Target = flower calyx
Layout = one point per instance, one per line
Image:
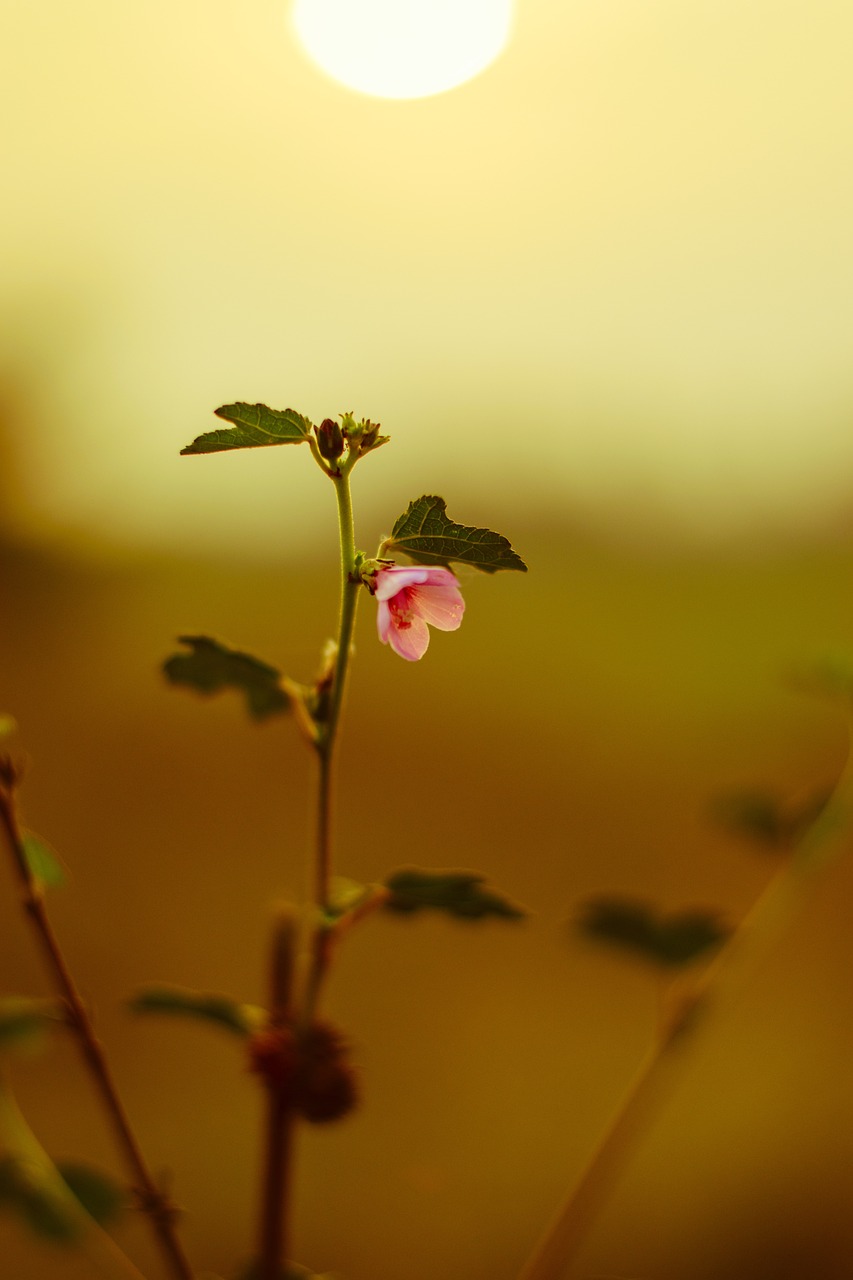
(361, 437)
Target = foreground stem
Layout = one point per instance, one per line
(557, 1251)
(151, 1199)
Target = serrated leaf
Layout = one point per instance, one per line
(255, 425)
(240, 1019)
(456, 893)
(101, 1195)
(210, 667)
(24, 1021)
(667, 940)
(43, 862)
(426, 535)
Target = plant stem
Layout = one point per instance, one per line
(327, 738)
(822, 844)
(280, 1117)
(274, 1238)
(152, 1200)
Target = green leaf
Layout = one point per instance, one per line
(211, 666)
(23, 1022)
(241, 1019)
(255, 425)
(667, 940)
(457, 893)
(103, 1198)
(30, 1193)
(426, 535)
(43, 862)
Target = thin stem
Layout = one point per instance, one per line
(736, 962)
(274, 1234)
(274, 1242)
(327, 738)
(152, 1200)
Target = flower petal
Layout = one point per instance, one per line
(410, 641)
(395, 579)
(383, 620)
(441, 607)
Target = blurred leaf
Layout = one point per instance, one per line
(764, 819)
(8, 726)
(426, 535)
(211, 666)
(103, 1198)
(23, 1022)
(29, 1192)
(255, 425)
(241, 1019)
(43, 862)
(344, 894)
(457, 893)
(670, 940)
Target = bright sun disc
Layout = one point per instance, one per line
(403, 48)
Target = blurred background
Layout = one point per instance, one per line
(600, 298)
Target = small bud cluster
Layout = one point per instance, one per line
(310, 1069)
(351, 438)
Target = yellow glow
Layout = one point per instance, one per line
(403, 48)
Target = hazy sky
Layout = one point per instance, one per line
(613, 272)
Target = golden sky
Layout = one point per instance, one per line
(613, 271)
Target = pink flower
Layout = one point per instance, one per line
(409, 598)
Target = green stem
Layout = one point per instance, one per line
(281, 1119)
(328, 735)
(556, 1254)
(152, 1201)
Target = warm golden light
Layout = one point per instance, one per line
(403, 48)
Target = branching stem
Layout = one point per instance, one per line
(152, 1200)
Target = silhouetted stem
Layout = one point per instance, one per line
(152, 1201)
(274, 1241)
(734, 965)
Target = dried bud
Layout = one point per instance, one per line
(330, 439)
(310, 1070)
(326, 1088)
(273, 1056)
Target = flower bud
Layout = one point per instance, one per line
(330, 439)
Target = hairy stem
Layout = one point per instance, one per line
(152, 1200)
(556, 1254)
(327, 738)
